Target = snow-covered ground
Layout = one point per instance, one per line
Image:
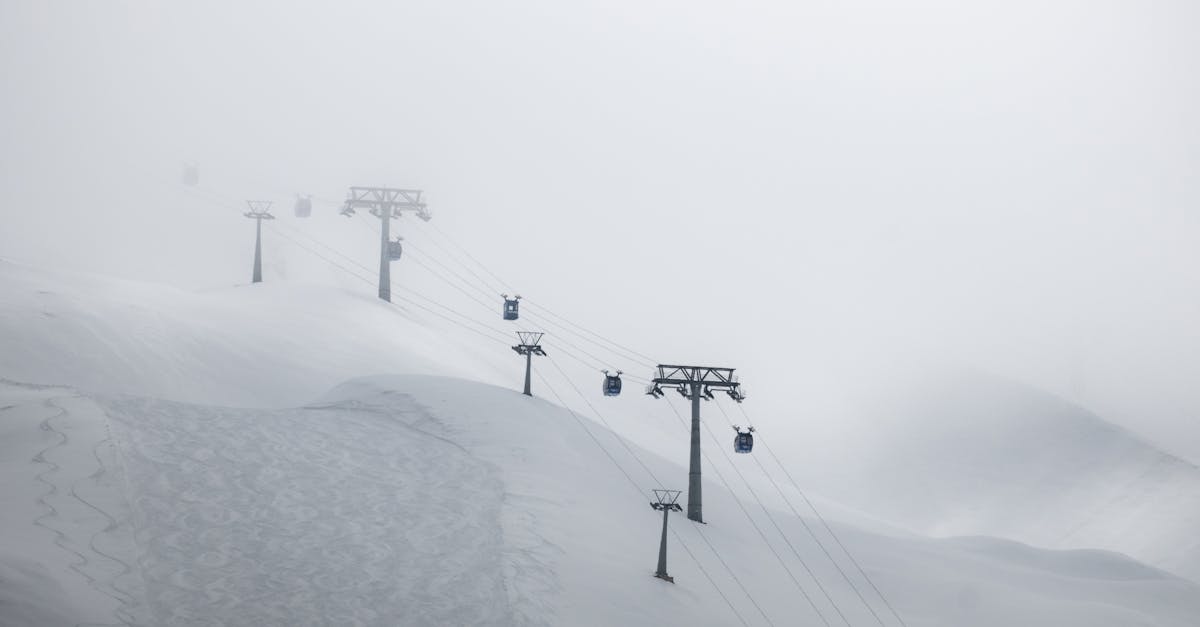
(974, 454)
(291, 455)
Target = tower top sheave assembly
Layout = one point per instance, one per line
(259, 209)
(684, 378)
(529, 343)
(379, 200)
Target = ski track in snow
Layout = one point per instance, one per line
(101, 569)
(329, 516)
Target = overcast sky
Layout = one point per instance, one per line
(820, 194)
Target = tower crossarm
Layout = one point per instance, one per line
(379, 200)
(705, 378)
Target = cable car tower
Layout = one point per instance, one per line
(529, 347)
(664, 501)
(695, 383)
(259, 210)
(385, 203)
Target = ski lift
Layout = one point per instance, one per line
(743, 442)
(395, 250)
(191, 175)
(511, 306)
(612, 384)
(303, 206)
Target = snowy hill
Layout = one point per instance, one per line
(976, 455)
(278, 486)
(260, 345)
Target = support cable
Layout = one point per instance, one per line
(636, 356)
(472, 297)
(403, 299)
(771, 518)
(640, 357)
(468, 254)
(805, 524)
(597, 361)
(826, 525)
(610, 428)
(563, 328)
(482, 290)
(753, 523)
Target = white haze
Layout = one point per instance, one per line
(824, 195)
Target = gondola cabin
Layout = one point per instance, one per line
(743, 442)
(395, 250)
(191, 175)
(512, 307)
(612, 384)
(303, 206)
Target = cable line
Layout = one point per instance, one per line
(612, 347)
(827, 527)
(487, 307)
(605, 422)
(405, 300)
(630, 354)
(562, 328)
(643, 358)
(484, 289)
(754, 524)
(806, 526)
(598, 364)
(468, 255)
(486, 292)
(771, 518)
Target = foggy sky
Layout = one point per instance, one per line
(820, 194)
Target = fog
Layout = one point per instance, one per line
(827, 196)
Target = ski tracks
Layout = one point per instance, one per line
(79, 504)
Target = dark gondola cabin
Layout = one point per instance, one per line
(743, 442)
(612, 384)
(395, 250)
(511, 307)
(303, 206)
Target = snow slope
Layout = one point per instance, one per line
(260, 345)
(267, 492)
(969, 454)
